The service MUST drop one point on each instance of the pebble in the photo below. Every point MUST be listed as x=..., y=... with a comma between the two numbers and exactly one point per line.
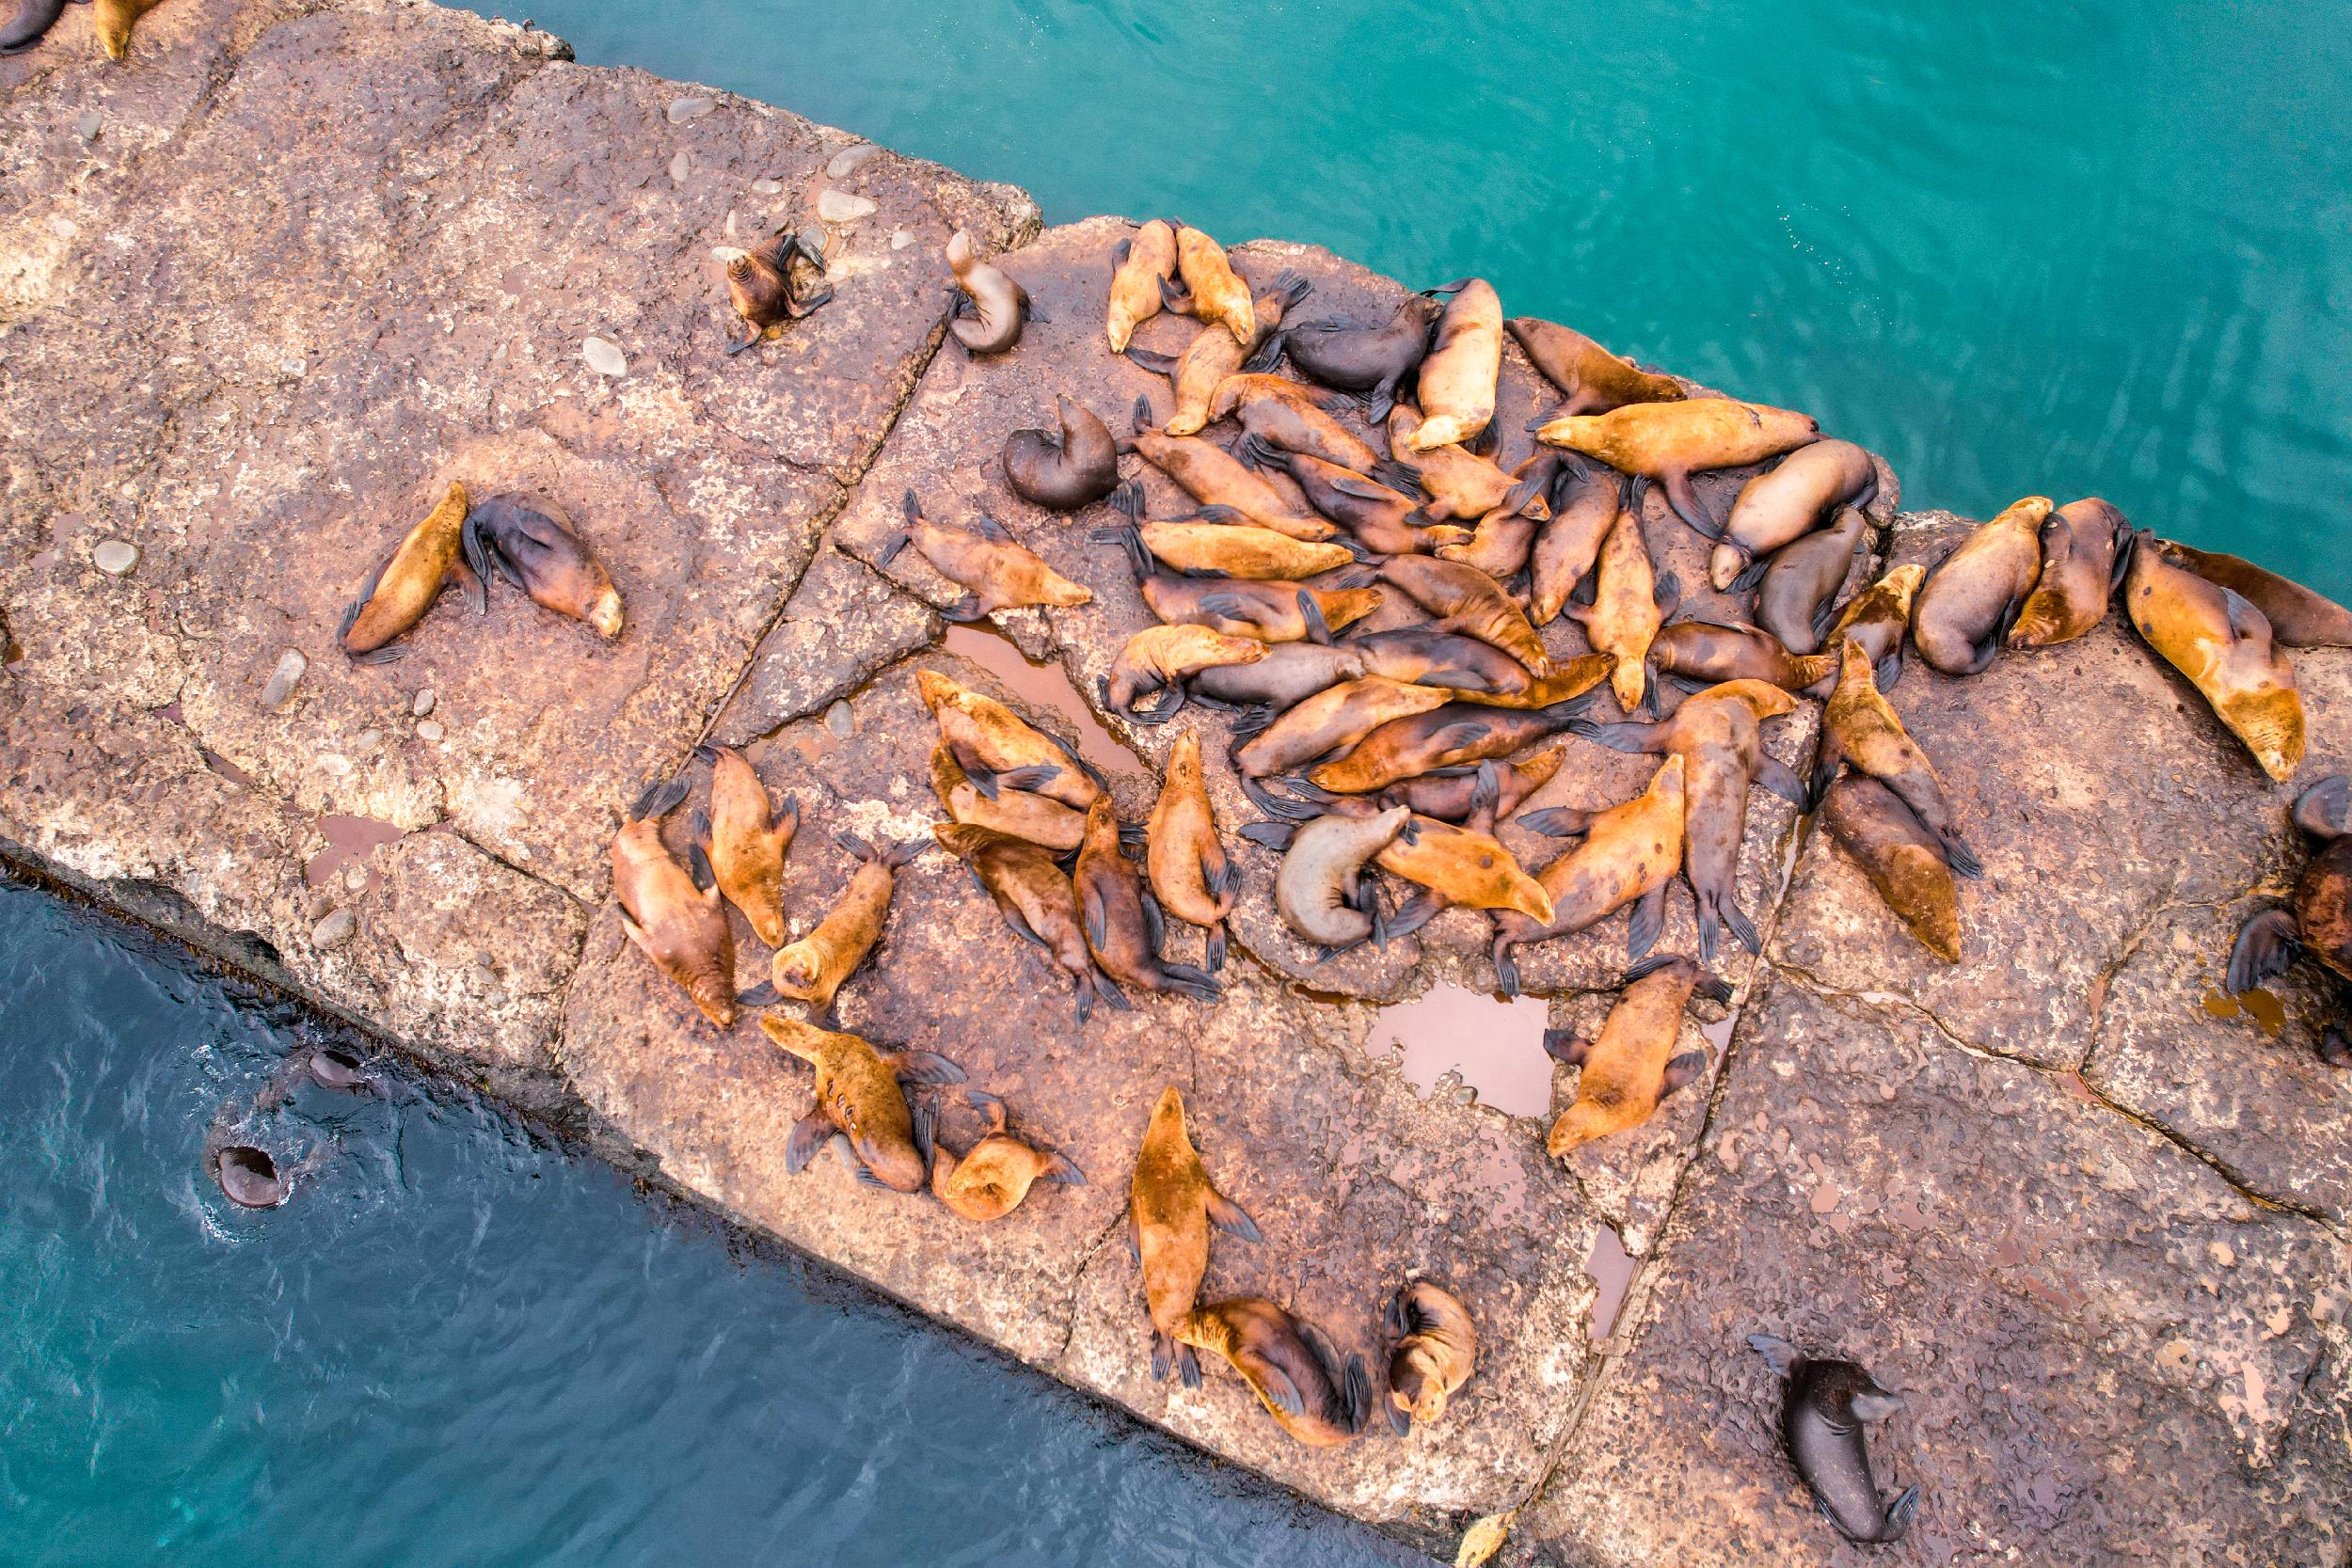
x=767, y=187
x=850, y=160
x=423, y=705
x=841, y=207
x=603, y=358
x=370, y=739
x=680, y=167
x=282, y=680
x=322, y=903
x=87, y=125
x=334, y=930
x=335, y=765
x=354, y=876
x=730, y=226
x=430, y=730
x=837, y=718
x=684, y=110
x=900, y=239
x=115, y=556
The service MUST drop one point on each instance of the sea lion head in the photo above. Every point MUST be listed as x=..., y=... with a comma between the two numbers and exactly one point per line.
x=2269, y=719
x=250, y=1178
x=1417, y=1384
x=960, y=253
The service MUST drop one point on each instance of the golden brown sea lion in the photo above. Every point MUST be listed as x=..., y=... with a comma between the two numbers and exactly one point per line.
x=1427, y=657
x=531, y=541
x=1798, y=595
x=1332, y=720
x=2081, y=567
x=859, y=1103
x=1320, y=890
x=1460, y=732
x=1505, y=537
x=1214, y=356
x=2317, y=918
x=1902, y=859
x=1211, y=289
x=1009, y=811
x=1787, y=502
x=746, y=848
x=1289, y=672
x=1432, y=1348
x=1708, y=654
x=1462, y=486
x=1858, y=727
x=1063, y=471
x=1279, y=415
x=1670, y=441
x=1458, y=376
x=1161, y=658
x=1590, y=379
x=1191, y=874
x=998, y=305
x=991, y=743
x=1036, y=899
x=1630, y=604
x=672, y=917
x=1965, y=608
x=995, y=570
x=1214, y=477
x=1288, y=1364
x=1269, y=612
x=1570, y=678
x=814, y=969
x=988, y=1181
x=765, y=292
x=112, y=21
x=1586, y=499
x=1384, y=521
x=1171, y=1206
x=1632, y=1066
x=1629, y=853
x=1456, y=797
x=1140, y=264
x=403, y=587
x=1876, y=618
x=1465, y=599
x=2299, y=617
x=1369, y=360
x=1121, y=920
x=1457, y=866
x=1230, y=551
x=2224, y=646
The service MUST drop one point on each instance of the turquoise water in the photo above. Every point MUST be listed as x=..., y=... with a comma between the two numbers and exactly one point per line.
x=2074, y=249
x=464, y=1348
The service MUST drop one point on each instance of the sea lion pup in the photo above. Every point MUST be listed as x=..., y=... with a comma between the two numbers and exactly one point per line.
x=1585, y=501
x=1965, y=610
x=1630, y=604
x=1171, y=1206
x=998, y=306
x=1902, y=859
x=1372, y=361
x=1234, y=549
x=32, y=17
x=1191, y=874
x=1213, y=355
x=1858, y=727
x=1590, y=379
x=1667, y=442
x=814, y=969
x=1141, y=263
x=1288, y=1364
x=1629, y=853
x=1332, y=721
x=859, y=1101
x=1465, y=599
x=1456, y=796
x=1876, y=618
x=1460, y=734
x=1458, y=375
x=2317, y=919
x=1784, y=505
x=2225, y=647
x=1121, y=920
x=1505, y=537
x=112, y=19
x=1432, y=1347
x=1632, y=1067
x=746, y=848
x=1279, y=415
x=1718, y=736
x=2082, y=565
x=1797, y=596
x=1451, y=866
x=991, y=743
x=1209, y=289
x=1430, y=657
x=532, y=543
x=1383, y=520
x=1063, y=471
x=1161, y=658
x=672, y=917
x=988, y=1181
x=2299, y=617
x=763, y=291
x=996, y=571
x=397, y=595
x=1010, y=811
x=1289, y=673
x=1320, y=889
x=1822, y=1418
x=1461, y=485
x=1037, y=901
x=1214, y=477
x=1704, y=653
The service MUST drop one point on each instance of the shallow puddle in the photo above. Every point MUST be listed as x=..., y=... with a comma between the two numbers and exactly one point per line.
x=349, y=839
x=1612, y=1268
x=2261, y=1006
x=1043, y=685
x=1493, y=1045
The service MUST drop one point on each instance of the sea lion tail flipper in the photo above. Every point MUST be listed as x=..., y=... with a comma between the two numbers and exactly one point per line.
x=1186, y=981
x=1506, y=970
x=698, y=867
x=1232, y=1217
x=1399, y=1420
x=1393, y=1314
x=1163, y=1356
x=761, y=995
x=2267, y=947
x=1265, y=356
x=1781, y=779
x=1666, y=593
x=1358, y=1386
x=1556, y=821
x=922, y=1119
x=809, y=1135
x=470, y=583
x=1566, y=1047
x=1650, y=919
x=1187, y=1367
x=1961, y=859
x=477, y=552
x=1293, y=287
x=1250, y=452
x=1779, y=1355
x=1414, y=914
x=891, y=546
x=1175, y=296
x=1713, y=989
x=923, y=1067
x=1062, y=1168
x=2325, y=809
x=1454, y=287
x=1404, y=479
x=389, y=654
x=962, y=612
x=1381, y=403
x=1620, y=736
x=865, y=1178
x=1751, y=574
x=1680, y=1072
x=660, y=798
x=1158, y=364
x=856, y=846
x=1318, y=629
x=1035, y=776
x=1742, y=929
x=1270, y=835
x=1899, y=1515
x=1155, y=921
x=1684, y=502
x=1216, y=947
x=1710, y=927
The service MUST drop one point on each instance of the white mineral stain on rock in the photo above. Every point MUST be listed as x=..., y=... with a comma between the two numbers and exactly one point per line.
x=876, y=823
x=604, y=357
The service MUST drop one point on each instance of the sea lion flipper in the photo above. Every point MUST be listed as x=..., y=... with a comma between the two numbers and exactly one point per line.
x=698, y=867
x=1393, y=1315
x=1620, y=736
x=809, y=1135
x=1684, y=501
x=923, y=1067
x=1666, y=593
x=1556, y=821
x=1134, y=1251
x=1742, y=929
x=761, y=995
x=659, y=800
x=1175, y=296
x=1275, y=1385
x=1566, y=1047
x=1061, y=1168
x=389, y=654
x=1187, y=1367
x=1163, y=1356
x=1900, y=1515
x=1232, y=1217
x=1154, y=921
x=1781, y=779
x=1650, y=919
x=2323, y=810
x=1750, y=575
x=1216, y=947
x=2267, y=947
x=1265, y=356
x=1158, y=364
x=962, y=612
x=1318, y=629
x=1414, y=914
x=1681, y=1070
x=1779, y=1355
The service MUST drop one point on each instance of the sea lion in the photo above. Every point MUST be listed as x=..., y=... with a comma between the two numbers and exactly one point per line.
x=2317, y=918
x=1456, y=796
x=991, y=743
x=1585, y=501
x=764, y=291
x=1383, y=520
x=1191, y=874
x=1140, y=264
x=1902, y=859
x=1785, y=503
x=990, y=1181
x=1229, y=549
x=332, y=1067
x=1798, y=594
x=814, y=969
x=1505, y=537
x=1459, y=866
x=1570, y=678
x=2225, y=648
x=1332, y=721
x=1171, y=1206
x=1460, y=373
x=1320, y=891
x=1211, y=289
x=859, y=1103
x=1429, y=657
x=1009, y=811
x=1063, y=471
x=1632, y=1067
x=1717, y=734
x=2299, y=617
x=1461, y=485
x=1432, y=1348
x=2082, y=562
x=1670, y=441
x=1630, y=604
x=1876, y=618
x=1281, y=416
x=1037, y=901
x=1214, y=356
x=250, y=1176
x=1291, y=673
x=1965, y=608
x=673, y=916
x=1120, y=919
x=1214, y=477
x=998, y=305
x=995, y=570
x=1820, y=1423
x=1708, y=654
x=746, y=848
x=403, y=586
x=1629, y=853
x=32, y=17
x=112, y=21
x=1269, y=612
x=1288, y=1364
x=1465, y=599
x=1590, y=379
x=1458, y=734
x=1161, y=658
x=532, y=543
x=1370, y=360
x=1858, y=727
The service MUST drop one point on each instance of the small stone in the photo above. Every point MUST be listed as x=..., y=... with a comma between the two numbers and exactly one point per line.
x=684, y=110
x=850, y=160
x=494, y=997
x=89, y=124
x=282, y=680
x=335, y=765
x=293, y=368
x=334, y=930
x=841, y=207
x=430, y=730
x=354, y=876
x=322, y=903
x=604, y=357
x=114, y=556
x=370, y=739
x=900, y=239
x=767, y=187
x=837, y=718
x=423, y=705
x=482, y=957
x=680, y=167
x=730, y=226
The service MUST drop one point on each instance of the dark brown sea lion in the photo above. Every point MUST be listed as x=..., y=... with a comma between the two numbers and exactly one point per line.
x=745, y=846
x=1191, y=874
x=1320, y=890
x=1965, y=608
x=1429, y=657
x=1456, y=796
x=1214, y=357
x=1214, y=477
x=999, y=305
x=1670, y=441
x=1140, y=264
x=2082, y=564
x=1037, y=901
x=2299, y=617
x=1585, y=501
x=989, y=1182
x=1067, y=469
x=1902, y=859
x=814, y=969
x=1279, y=415
x=1161, y=658
x=1211, y=289
x=1461, y=485
x=1465, y=599
x=1858, y=727
x=859, y=1101
x=1289, y=672
x=1458, y=374
x=31, y=18
x=1458, y=734
x=1371, y=360
x=995, y=570
x=1332, y=721
x=1384, y=521
x=1629, y=853
x=1432, y=1348
x=1590, y=379
x=1121, y=920
x=1784, y=504
x=1705, y=653
x=1288, y=1364
x=1876, y=618
x=112, y=19
x=989, y=739
x=672, y=917
x=532, y=543
x=1171, y=1206
x=2225, y=648
x=403, y=587
x=764, y=290
x=250, y=1176
x=2317, y=919
x=1269, y=612
x=1632, y=1066
x=1821, y=1424
x=1797, y=596
x=1630, y=604
x=1009, y=811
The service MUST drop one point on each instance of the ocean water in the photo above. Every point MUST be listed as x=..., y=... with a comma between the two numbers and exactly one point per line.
x=463, y=1347
x=2099, y=248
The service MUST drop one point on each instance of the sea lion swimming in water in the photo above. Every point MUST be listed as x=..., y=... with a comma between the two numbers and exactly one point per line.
x=1171, y=1206
x=989, y=739
x=1288, y=1364
x=1209, y=289
x=672, y=917
x=1876, y=618
x=1902, y=859
x=1784, y=505
x=1965, y=608
x=532, y=543
x=1319, y=890
x=1332, y=720
x=1820, y=1423
x=1191, y=874
x=2299, y=617
x=1161, y=658
x=1797, y=597
x=1458, y=734
x=995, y=570
x=763, y=291
x=1590, y=379
x=1383, y=520
x=2082, y=565
x=2225, y=648
x=1670, y=441
x=403, y=587
x=1140, y=264
x=112, y=19
x=1009, y=811
x=859, y=1101
x=1632, y=1067
x=1214, y=357
x=1433, y=1346
x=249, y=1175
x=1372, y=361
x=1121, y=920
x=746, y=847
x=1858, y=727
x=814, y=969
x=1708, y=654
x=1036, y=899
x=1064, y=471
x=1465, y=599
x=1214, y=477
x=24, y=28
x=1586, y=502
x=1629, y=853
x=998, y=304
x=1630, y=604
x=1458, y=375
x=2317, y=919
x=989, y=1182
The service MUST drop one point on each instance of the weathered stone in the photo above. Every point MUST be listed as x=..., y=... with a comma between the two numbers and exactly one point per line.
x=681, y=110
x=840, y=626
x=850, y=160
x=336, y=930
x=114, y=556
x=283, y=676
x=605, y=357
x=423, y=704
x=430, y=731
